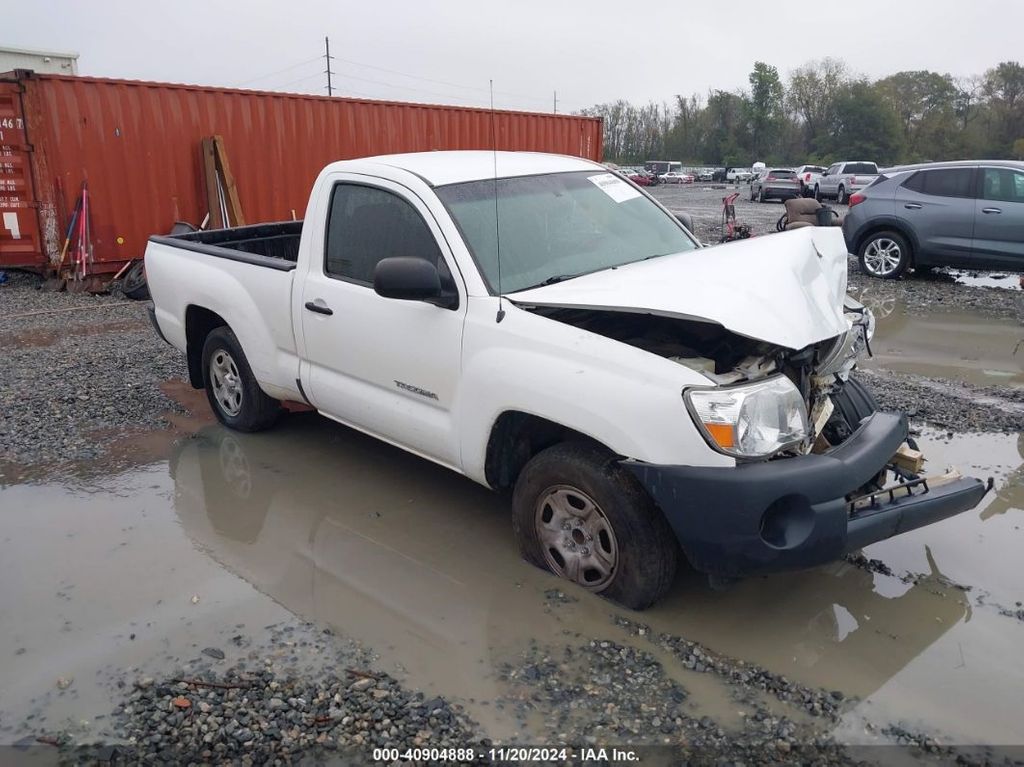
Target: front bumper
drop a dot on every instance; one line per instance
(793, 513)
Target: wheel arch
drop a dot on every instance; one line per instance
(516, 437)
(199, 323)
(887, 224)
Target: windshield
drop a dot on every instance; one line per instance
(559, 226)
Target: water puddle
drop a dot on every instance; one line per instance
(954, 345)
(419, 564)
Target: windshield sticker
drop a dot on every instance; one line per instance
(614, 187)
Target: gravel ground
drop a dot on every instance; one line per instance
(78, 370)
(953, 406)
(299, 694)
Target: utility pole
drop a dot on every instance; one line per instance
(328, 57)
(555, 106)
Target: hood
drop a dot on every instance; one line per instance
(786, 288)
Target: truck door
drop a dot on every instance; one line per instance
(388, 367)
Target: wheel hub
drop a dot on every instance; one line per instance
(227, 383)
(882, 256)
(578, 540)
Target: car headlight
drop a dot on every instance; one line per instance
(752, 420)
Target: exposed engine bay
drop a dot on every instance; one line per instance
(819, 371)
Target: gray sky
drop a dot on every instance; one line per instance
(589, 51)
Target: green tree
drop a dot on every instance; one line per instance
(765, 111)
(811, 96)
(1004, 92)
(864, 125)
(925, 106)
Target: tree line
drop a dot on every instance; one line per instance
(823, 113)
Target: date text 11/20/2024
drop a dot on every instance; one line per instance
(504, 754)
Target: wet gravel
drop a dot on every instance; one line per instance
(953, 406)
(271, 706)
(77, 371)
(609, 692)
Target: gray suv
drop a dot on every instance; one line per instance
(968, 213)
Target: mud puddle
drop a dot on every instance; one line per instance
(235, 532)
(953, 345)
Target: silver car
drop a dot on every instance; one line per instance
(967, 214)
(777, 183)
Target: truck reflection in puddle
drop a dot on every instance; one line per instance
(417, 563)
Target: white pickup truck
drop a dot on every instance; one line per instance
(544, 326)
(841, 179)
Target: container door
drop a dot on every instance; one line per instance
(19, 221)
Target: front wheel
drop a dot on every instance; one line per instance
(842, 199)
(234, 394)
(885, 255)
(817, 193)
(579, 514)
(760, 194)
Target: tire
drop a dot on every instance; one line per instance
(885, 255)
(234, 395)
(133, 284)
(841, 197)
(854, 402)
(760, 195)
(752, 194)
(817, 193)
(560, 483)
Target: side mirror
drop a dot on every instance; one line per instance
(411, 279)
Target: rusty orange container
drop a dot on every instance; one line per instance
(138, 146)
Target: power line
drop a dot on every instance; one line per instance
(442, 82)
(279, 71)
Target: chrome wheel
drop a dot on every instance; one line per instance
(577, 538)
(227, 384)
(882, 256)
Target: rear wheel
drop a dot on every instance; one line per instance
(235, 396)
(579, 514)
(884, 254)
(134, 284)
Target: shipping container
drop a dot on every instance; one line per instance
(138, 146)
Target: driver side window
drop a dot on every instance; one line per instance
(365, 225)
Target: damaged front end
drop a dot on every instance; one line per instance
(745, 374)
(819, 473)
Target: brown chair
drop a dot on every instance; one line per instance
(803, 211)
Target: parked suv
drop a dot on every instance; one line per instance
(777, 183)
(967, 214)
(843, 179)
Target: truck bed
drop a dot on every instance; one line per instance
(272, 245)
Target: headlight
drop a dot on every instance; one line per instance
(752, 420)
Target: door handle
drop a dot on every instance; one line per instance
(991, 210)
(319, 308)
(912, 206)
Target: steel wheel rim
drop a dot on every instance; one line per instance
(577, 538)
(227, 383)
(882, 256)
